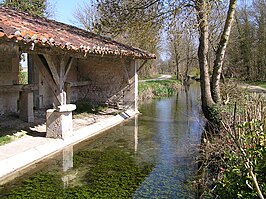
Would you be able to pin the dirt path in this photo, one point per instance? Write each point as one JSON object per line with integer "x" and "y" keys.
{"x": 252, "y": 88}
{"x": 162, "y": 77}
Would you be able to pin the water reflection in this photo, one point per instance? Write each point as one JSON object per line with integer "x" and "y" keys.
{"x": 68, "y": 174}
{"x": 67, "y": 158}
{"x": 177, "y": 132}
{"x": 136, "y": 129}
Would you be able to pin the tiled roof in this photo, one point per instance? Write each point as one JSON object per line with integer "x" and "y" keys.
{"x": 26, "y": 29}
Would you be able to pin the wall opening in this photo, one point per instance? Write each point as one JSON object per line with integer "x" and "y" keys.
{"x": 23, "y": 69}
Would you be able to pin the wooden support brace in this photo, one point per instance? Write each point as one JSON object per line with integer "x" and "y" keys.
{"x": 48, "y": 78}
{"x": 52, "y": 68}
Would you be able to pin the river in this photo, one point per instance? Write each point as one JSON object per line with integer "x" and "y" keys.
{"x": 150, "y": 156}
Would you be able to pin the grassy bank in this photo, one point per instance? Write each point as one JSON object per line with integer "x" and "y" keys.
{"x": 233, "y": 162}
{"x": 157, "y": 88}
{"x": 259, "y": 83}
{"x": 5, "y": 139}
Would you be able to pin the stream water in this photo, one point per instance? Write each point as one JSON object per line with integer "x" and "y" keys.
{"x": 150, "y": 156}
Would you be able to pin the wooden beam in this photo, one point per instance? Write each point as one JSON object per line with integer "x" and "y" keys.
{"x": 69, "y": 64}
{"x": 46, "y": 73}
{"x": 145, "y": 61}
{"x": 80, "y": 83}
{"x": 18, "y": 87}
{"x": 52, "y": 68}
{"x": 61, "y": 73}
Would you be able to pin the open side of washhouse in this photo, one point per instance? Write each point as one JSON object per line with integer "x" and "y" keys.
{"x": 65, "y": 64}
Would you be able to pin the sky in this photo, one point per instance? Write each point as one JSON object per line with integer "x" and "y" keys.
{"x": 63, "y": 10}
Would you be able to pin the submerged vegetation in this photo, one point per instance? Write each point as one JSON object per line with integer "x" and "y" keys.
{"x": 106, "y": 174}
{"x": 157, "y": 88}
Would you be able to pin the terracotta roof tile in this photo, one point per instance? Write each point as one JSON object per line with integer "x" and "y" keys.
{"x": 21, "y": 27}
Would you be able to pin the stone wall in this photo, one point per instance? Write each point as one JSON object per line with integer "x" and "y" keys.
{"x": 111, "y": 81}
{"x": 9, "y": 69}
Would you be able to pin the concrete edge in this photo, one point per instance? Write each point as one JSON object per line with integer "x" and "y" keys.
{"x": 17, "y": 163}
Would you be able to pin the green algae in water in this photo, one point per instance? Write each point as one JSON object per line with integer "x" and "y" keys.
{"x": 109, "y": 174}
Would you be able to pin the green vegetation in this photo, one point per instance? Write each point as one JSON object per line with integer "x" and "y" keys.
{"x": 233, "y": 163}
{"x": 106, "y": 174}
{"x": 23, "y": 77}
{"x": 259, "y": 83}
{"x": 5, "y": 139}
{"x": 36, "y": 7}
{"x": 156, "y": 89}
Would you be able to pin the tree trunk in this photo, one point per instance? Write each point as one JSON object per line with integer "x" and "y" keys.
{"x": 202, "y": 17}
{"x": 218, "y": 63}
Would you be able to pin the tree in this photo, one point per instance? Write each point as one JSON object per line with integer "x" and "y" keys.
{"x": 87, "y": 16}
{"x": 125, "y": 21}
{"x": 36, "y": 7}
{"x": 220, "y": 54}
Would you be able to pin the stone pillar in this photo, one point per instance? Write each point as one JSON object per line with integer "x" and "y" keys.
{"x": 26, "y": 106}
{"x": 59, "y": 122}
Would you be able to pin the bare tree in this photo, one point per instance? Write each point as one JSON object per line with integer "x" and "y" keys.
{"x": 218, "y": 63}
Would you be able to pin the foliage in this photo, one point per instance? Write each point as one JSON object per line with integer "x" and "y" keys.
{"x": 233, "y": 163}
{"x": 249, "y": 147}
{"x": 125, "y": 21}
{"x": 246, "y": 55}
{"x": 36, "y": 7}
{"x": 22, "y": 76}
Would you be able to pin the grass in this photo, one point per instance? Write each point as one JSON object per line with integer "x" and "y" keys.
{"x": 5, "y": 139}
{"x": 259, "y": 83}
{"x": 157, "y": 89}
{"x": 150, "y": 77}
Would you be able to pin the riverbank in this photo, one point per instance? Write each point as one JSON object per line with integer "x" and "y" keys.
{"x": 23, "y": 152}
{"x": 156, "y": 88}
{"x": 233, "y": 162}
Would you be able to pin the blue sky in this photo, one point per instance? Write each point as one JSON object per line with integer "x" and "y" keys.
{"x": 63, "y": 10}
